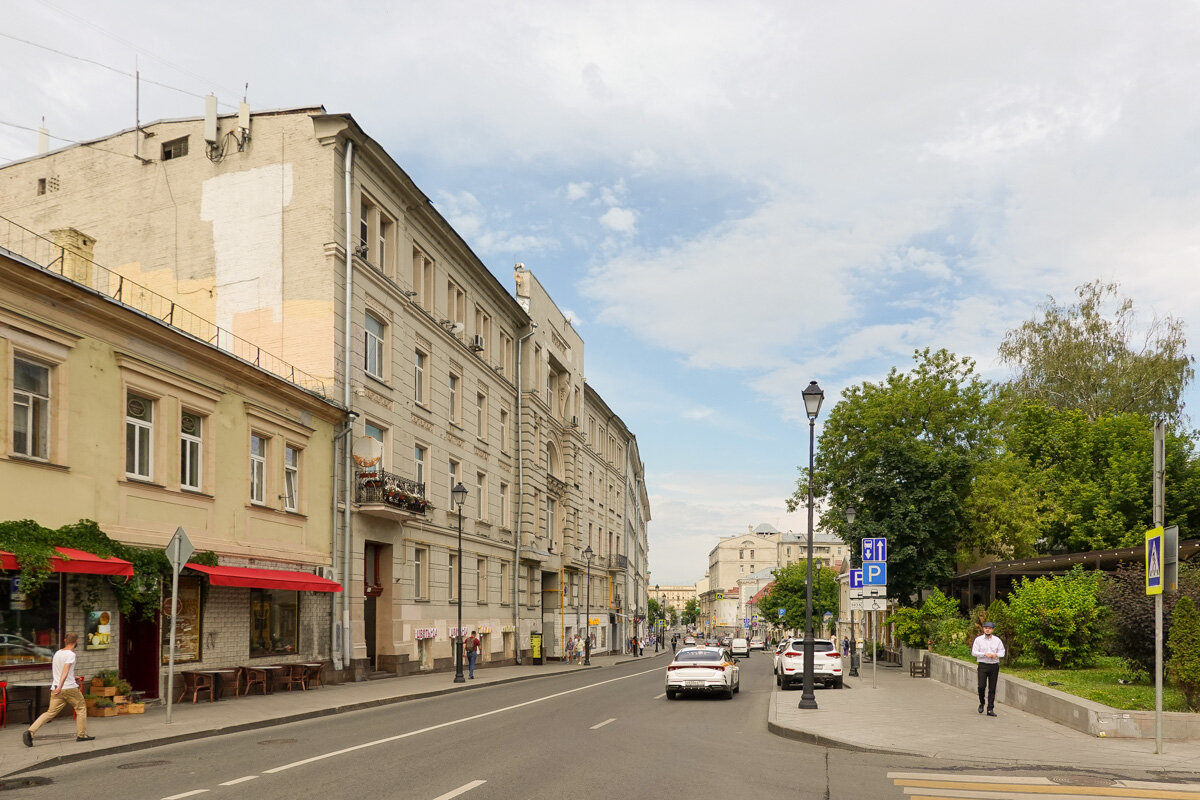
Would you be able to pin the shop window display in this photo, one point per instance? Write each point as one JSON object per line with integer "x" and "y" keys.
{"x": 274, "y": 622}
{"x": 29, "y": 624}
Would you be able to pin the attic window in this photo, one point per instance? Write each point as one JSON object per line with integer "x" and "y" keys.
{"x": 45, "y": 185}
{"x": 176, "y": 148}
{"x": 41, "y": 186}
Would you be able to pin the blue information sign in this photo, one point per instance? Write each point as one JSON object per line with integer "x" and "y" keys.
{"x": 782, "y": 611}
{"x": 875, "y": 573}
{"x": 856, "y": 579}
{"x": 874, "y": 549}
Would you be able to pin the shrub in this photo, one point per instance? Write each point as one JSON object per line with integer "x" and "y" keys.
{"x": 1184, "y": 643}
{"x": 1059, "y": 619}
{"x": 1131, "y": 611}
{"x": 951, "y": 635}
{"x": 107, "y": 677}
{"x": 915, "y": 627}
{"x": 999, "y": 614}
{"x": 104, "y": 702}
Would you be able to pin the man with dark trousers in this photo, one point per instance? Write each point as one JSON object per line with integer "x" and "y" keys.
{"x": 988, "y": 650}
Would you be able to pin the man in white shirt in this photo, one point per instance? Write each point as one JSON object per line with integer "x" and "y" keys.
{"x": 988, "y": 650}
{"x": 64, "y": 691}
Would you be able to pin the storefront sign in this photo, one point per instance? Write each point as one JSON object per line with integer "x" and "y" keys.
{"x": 186, "y": 617}
{"x": 486, "y": 629}
{"x": 425, "y": 633}
{"x": 508, "y": 629}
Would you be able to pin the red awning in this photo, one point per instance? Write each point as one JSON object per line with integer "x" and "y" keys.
{"x": 76, "y": 561}
{"x": 246, "y": 577}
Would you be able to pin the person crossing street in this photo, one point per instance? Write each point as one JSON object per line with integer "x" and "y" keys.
{"x": 988, "y": 650}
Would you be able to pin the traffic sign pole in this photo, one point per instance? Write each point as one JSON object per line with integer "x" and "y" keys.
{"x": 179, "y": 550}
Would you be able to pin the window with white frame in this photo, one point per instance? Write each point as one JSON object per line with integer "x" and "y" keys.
{"x": 531, "y": 587}
{"x": 419, "y": 453}
{"x": 139, "y": 436}
{"x": 374, "y": 352}
{"x": 291, "y": 477}
{"x": 481, "y": 415}
{"x": 481, "y": 498}
{"x": 383, "y": 238}
{"x": 551, "y": 509}
{"x": 453, "y": 467}
{"x": 504, "y": 429}
{"x": 31, "y": 409}
{"x": 481, "y": 580}
{"x": 506, "y": 354}
{"x": 421, "y": 572}
{"x": 191, "y": 449}
{"x": 504, "y": 581}
{"x": 504, "y": 504}
{"x": 483, "y": 332}
{"x": 423, "y": 279}
{"x": 258, "y": 469}
{"x": 456, "y": 303}
{"x": 377, "y": 433}
{"x": 419, "y": 373}
{"x": 453, "y": 390}
{"x": 453, "y": 582}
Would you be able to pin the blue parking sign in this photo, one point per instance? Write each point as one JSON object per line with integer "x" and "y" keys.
{"x": 875, "y": 573}
{"x": 856, "y": 579}
{"x": 874, "y": 549}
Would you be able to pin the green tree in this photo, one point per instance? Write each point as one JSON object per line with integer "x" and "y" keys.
{"x": 789, "y": 593}
{"x": 691, "y": 612}
{"x": 1184, "y": 645}
{"x": 1131, "y": 611}
{"x": 915, "y": 626}
{"x": 905, "y": 452}
{"x": 1059, "y": 619}
{"x": 1092, "y": 357}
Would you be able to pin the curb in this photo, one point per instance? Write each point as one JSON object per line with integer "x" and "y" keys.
{"x": 773, "y": 726}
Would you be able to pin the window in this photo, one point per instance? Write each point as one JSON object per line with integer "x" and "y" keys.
{"x": 364, "y": 227}
{"x": 481, "y": 580}
{"x": 481, "y": 498}
{"x": 453, "y": 465}
{"x": 423, "y": 279}
{"x": 190, "y": 451}
{"x": 530, "y": 587}
{"x": 139, "y": 436}
{"x": 551, "y": 508}
{"x": 456, "y": 303}
{"x": 483, "y": 331}
{"x": 419, "y": 377}
{"x": 31, "y": 409}
{"x": 274, "y": 622}
{"x": 421, "y": 572}
{"x": 504, "y": 429}
{"x": 506, "y": 354}
{"x": 504, "y": 504}
{"x": 452, "y": 414}
{"x": 34, "y": 621}
{"x": 291, "y": 477}
{"x": 481, "y": 415}
{"x": 383, "y": 237}
{"x": 453, "y": 576}
{"x": 176, "y": 148}
{"x": 258, "y": 468}
{"x": 373, "y": 349}
{"x": 419, "y": 464}
{"x": 504, "y": 582}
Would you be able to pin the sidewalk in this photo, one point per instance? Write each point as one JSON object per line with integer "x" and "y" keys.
{"x": 55, "y": 743}
{"x": 922, "y": 717}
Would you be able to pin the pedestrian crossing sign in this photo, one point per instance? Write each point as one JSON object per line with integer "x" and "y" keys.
{"x": 1154, "y": 561}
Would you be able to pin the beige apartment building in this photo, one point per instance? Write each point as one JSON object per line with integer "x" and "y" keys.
{"x": 677, "y": 597}
{"x": 117, "y": 412}
{"x": 297, "y": 232}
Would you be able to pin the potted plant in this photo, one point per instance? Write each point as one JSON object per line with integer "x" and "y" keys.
{"x": 123, "y": 687}
{"x": 105, "y": 683}
{"x": 105, "y": 707}
{"x": 90, "y": 700}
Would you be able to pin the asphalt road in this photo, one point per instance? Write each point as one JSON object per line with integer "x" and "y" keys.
{"x": 593, "y": 734}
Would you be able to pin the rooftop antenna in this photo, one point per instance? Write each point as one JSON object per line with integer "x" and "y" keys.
{"x": 43, "y": 138}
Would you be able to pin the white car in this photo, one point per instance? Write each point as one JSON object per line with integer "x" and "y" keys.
{"x": 789, "y": 663}
{"x": 709, "y": 670}
{"x": 757, "y": 643}
{"x": 740, "y": 647}
{"x": 689, "y": 640}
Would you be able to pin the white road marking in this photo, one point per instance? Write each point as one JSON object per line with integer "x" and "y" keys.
{"x": 466, "y": 787}
{"x": 238, "y": 780}
{"x": 398, "y": 737}
{"x": 660, "y": 696}
{"x": 602, "y": 724}
{"x": 185, "y": 794}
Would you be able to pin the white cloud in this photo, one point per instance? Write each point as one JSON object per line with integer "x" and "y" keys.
{"x": 578, "y": 191}
{"x": 698, "y": 413}
{"x": 621, "y": 220}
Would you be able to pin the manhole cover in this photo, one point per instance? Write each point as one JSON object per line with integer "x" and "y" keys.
{"x": 142, "y": 764}
{"x": 1081, "y": 780}
{"x": 24, "y": 783}
{"x": 277, "y": 741}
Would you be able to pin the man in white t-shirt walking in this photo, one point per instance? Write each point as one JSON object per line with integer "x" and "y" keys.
{"x": 988, "y": 650}
{"x": 64, "y": 691}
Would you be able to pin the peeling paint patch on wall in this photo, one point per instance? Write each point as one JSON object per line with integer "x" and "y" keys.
{"x": 246, "y": 212}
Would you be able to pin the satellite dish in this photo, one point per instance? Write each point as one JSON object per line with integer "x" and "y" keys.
{"x": 367, "y": 451}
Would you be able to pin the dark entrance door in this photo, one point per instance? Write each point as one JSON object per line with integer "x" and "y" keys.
{"x": 369, "y": 627}
{"x": 140, "y": 653}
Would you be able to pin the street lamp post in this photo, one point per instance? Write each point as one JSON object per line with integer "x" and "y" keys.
{"x": 587, "y": 640}
{"x": 812, "y": 406}
{"x": 851, "y": 513}
{"x": 657, "y": 636}
{"x": 459, "y": 494}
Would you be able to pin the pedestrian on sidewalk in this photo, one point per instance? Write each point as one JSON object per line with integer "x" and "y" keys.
{"x": 570, "y": 649}
{"x": 471, "y": 648}
{"x": 579, "y": 650}
{"x": 64, "y": 691}
{"x": 988, "y": 650}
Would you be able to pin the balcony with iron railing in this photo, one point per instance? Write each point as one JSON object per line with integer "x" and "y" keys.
{"x": 81, "y": 270}
{"x": 382, "y": 494}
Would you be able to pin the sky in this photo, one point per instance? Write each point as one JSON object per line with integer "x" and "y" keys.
{"x": 730, "y": 199}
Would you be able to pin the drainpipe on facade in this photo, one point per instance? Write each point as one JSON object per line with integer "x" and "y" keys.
{"x": 347, "y": 480}
{"x": 520, "y": 500}
{"x": 339, "y": 440}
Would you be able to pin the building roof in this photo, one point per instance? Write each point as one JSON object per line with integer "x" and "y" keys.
{"x": 766, "y": 528}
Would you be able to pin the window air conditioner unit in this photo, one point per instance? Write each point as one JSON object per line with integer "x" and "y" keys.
{"x": 478, "y": 344}
{"x": 324, "y": 572}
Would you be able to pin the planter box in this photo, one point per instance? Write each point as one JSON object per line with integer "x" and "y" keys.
{"x": 104, "y": 691}
{"x": 135, "y": 708}
{"x": 90, "y": 701}
{"x": 111, "y": 711}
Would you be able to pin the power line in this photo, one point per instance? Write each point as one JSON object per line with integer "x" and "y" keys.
{"x": 107, "y": 67}
{"x": 71, "y": 141}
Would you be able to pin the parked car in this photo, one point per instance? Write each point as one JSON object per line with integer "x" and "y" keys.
{"x": 757, "y": 643}
{"x": 710, "y": 670}
{"x": 689, "y": 640}
{"x": 827, "y": 663}
{"x": 740, "y": 647}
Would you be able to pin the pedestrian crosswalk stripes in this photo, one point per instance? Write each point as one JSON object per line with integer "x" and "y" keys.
{"x": 955, "y": 786}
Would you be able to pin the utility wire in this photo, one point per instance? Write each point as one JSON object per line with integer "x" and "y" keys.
{"x": 71, "y": 141}
{"x": 107, "y": 67}
{"x": 129, "y": 44}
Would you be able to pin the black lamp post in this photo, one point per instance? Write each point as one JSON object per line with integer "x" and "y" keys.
{"x": 851, "y": 513}
{"x": 459, "y": 495}
{"x": 658, "y": 590}
{"x": 587, "y": 640}
{"x": 812, "y": 406}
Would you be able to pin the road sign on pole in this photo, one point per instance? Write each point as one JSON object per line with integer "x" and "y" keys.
{"x": 874, "y": 549}
{"x": 856, "y": 579}
{"x": 179, "y": 550}
{"x": 1154, "y": 561}
{"x": 874, "y": 573}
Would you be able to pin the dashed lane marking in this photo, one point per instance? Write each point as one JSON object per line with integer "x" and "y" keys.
{"x": 185, "y": 794}
{"x": 466, "y": 787}
{"x": 602, "y": 724}
{"x": 238, "y": 780}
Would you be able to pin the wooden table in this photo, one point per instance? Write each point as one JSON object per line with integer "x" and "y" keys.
{"x": 197, "y": 681}
{"x": 262, "y": 674}
{"x": 314, "y": 672}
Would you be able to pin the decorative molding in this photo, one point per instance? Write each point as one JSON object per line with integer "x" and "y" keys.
{"x": 424, "y": 424}
{"x": 375, "y": 397}
{"x": 453, "y": 439}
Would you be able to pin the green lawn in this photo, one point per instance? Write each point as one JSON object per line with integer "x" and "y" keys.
{"x": 1099, "y": 684}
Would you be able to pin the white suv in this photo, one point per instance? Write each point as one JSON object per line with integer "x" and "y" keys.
{"x": 827, "y": 663}
{"x": 740, "y": 647}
